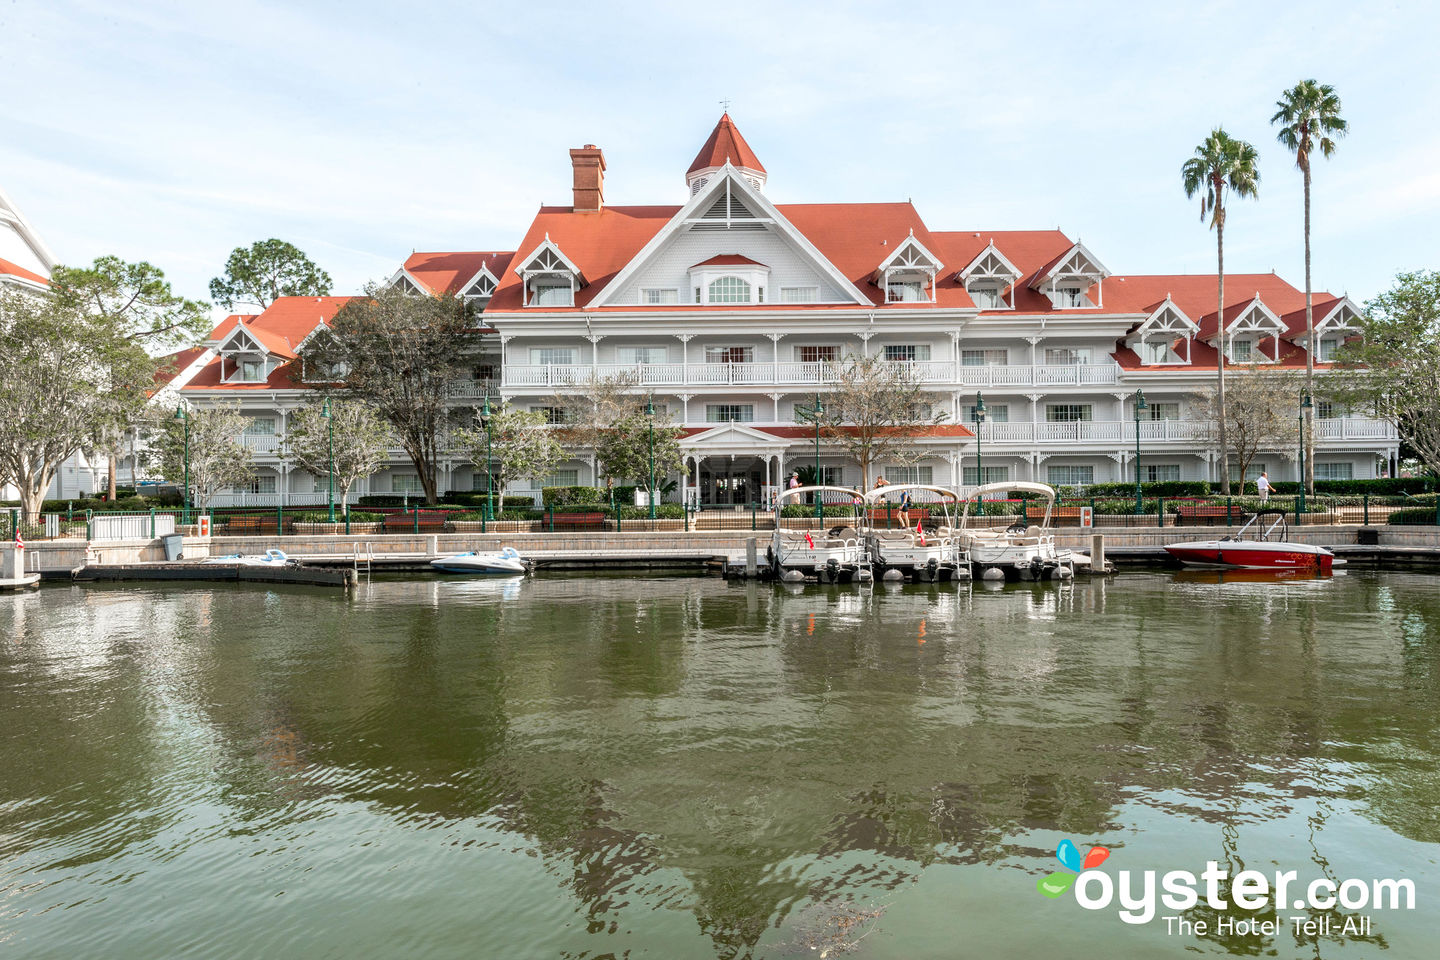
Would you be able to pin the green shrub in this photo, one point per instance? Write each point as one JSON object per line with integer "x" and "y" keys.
{"x": 808, "y": 510}
{"x": 665, "y": 511}
{"x": 1413, "y": 515}
{"x": 1153, "y": 488}
{"x": 574, "y": 496}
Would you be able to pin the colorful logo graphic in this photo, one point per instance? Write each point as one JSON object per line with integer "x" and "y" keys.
{"x": 1069, "y": 856}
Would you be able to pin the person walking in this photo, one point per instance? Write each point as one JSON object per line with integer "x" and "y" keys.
{"x": 794, "y": 480}
{"x": 1262, "y": 483}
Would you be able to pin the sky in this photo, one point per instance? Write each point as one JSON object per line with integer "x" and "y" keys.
{"x": 175, "y": 131}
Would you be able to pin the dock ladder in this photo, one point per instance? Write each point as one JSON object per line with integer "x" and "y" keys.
{"x": 369, "y": 558}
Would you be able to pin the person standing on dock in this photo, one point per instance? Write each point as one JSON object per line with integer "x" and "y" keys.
{"x": 1262, "y": 484}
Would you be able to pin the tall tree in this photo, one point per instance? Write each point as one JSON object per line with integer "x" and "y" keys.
{"x": 1221, "y": 165}
{"x": 400, "y": 353}
{"x": 66, "y": 375}
{"x": 213, "y": 456}
{"x": 1309, "y": 118}
{"x": 265, "y": 271}
{"x": 875, "y": 413}
{"x": 1394, "y": 368}
{"x": 1258, "y": 416}
{"x": 624, "y": 450}
{"x": 520, "y": 443}
{"x": 137, "y": 300}
{"x": 361, "y": 441}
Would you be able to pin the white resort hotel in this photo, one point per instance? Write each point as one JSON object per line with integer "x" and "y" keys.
{"x": 732, "y": 310}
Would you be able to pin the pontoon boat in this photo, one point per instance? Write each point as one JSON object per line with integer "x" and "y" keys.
{"x": 1018, "y": 551}
{"x": 916, "y": 553}
{"x": 831, "y": 551}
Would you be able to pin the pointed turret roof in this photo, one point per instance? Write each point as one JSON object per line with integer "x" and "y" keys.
{"x": 726, "y": 145}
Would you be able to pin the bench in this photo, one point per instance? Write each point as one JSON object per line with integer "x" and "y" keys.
{"x": 578, "y": 521}
{"x": 1057, "y": 514}
{"x": 242, "y": 526}
{"x": 1209, "y": 512}
{"x": 426, "y": 521}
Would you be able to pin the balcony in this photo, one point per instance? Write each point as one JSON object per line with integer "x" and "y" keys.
{"x": 1077, "y": 374}
{"x": 473, "y": 389}
{"x": 760, "y": 373}
{"x": 1354, "y": 428}
{"x": 1160, "y": 431}
{"x": 260, "y": 442}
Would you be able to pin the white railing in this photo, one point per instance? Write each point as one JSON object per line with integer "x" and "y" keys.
{"x": 762, "y": 373}
{"x": 260, "y": 442}
{"x": 1354, "y": 428}
{"x": 474, "y": 388}
{"x": 130, "y": 526}
{"x": 1080, "y": 374}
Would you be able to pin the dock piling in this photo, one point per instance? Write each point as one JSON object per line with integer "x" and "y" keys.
{"x": 1097, "y": 552}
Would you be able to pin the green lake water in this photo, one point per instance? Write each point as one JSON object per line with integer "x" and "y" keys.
{"x": 588, "y": 767}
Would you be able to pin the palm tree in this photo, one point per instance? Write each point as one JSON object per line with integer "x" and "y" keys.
{"x": 1221, "y": 164}
{"x": 1309, "y": 117}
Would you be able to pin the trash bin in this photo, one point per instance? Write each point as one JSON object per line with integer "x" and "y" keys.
{"x": 174, "y": 546}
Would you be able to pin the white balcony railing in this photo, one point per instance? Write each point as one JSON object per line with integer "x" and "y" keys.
{"x": 1079, "y": 374}
{"x": 758, "y": 373}
{"x": 1354, "y": 428}
{"x": 260, "y": 442}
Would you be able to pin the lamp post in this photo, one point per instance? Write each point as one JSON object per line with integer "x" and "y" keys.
{"x": 485, "y": 422}
{"x": 1140, "y": 407}
{"x": 330, "y": 424}
{"x": 814, "y": 413}
{"x": 1305, "y": 405}
{"x": 979, "y": 417}
{"x": 650, "y": 415}
{"x": 182, "y": 415}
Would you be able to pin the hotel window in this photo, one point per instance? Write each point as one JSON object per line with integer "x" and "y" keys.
{"x": 561, "y": 478}
{"x": 1155, "y": 351}
{"x": 260, "y": 427}
{"x": 546, "y": 356}
{"x": 252, "y": 371}
{"x": 1164, "y": 411}
{"x": 907, "y": 351}
{"x": 818, "y": 354}
{"x": 1324, "y": 410}
{"x": 660, "y": 296}
{"x": 1070, "y": 296}
{"x": 642, "y": 354}
{"x": 1068, "y": 412}
{"x": 994, "y": 413}
{"x": 984, "y": 358}
{"x": 1067, "y": 356}
{"x": 1328, "y": 348}
{"x": 406, "y": 483}
{"x": 799, "y": 294}
{"x": 905, "y": 291}
{"x": 1241, "y": 350}
{"x": 729, "y": 412}
{"x": 915, "y": 474}
{"x": 729, "y": 354}
{"x": 484, "y": 371}
{"x": 1159, "y": 472}
{"x": 1070, "y": 476}
{"x": 477, "y": 481}
{"x": 260, "y": 484}
{"x": 729, "y": 290}
{"x": 552, "y": 295}
{"x": 552, "y": 414}
{"x": 1335, "y": 471}
{"x": 971, "y": 476}
{"x": 987, "y": 296}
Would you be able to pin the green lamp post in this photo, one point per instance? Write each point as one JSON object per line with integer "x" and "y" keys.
{"x": 486, "y": 422}
{"x": 650, "y": 415}
{"x": 183, "y": 416}
{"x": 979, "y": 419}
{"x": 1140, "y": 407}
{"x": 1305, "y": 404}
{"x": 330, "y": 424}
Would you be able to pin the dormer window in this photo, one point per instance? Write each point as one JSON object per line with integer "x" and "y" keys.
{"x": 252, "y": 371}
{"x": 549, "y": 278}
{"x": 1329, "y": 347}
{"x": 1070, "y": 296}
{"x": 986, "y": 296}
{"x": 1072, "y": 280}
{"x": 1242, "y": 351}
{"x": 987, "y": 277}
{"x": 1246, "y": 329}
{"x": 905, "y": 291}
{"x": 1158, "y": 338}
{"x": 729, "y": 278}
{"x": 1152, "y": 351}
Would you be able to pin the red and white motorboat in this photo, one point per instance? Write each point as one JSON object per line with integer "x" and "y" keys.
{"x": 1262, "y": 554}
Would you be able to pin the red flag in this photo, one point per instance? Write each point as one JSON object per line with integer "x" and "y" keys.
{"x": 920, "y": 532}
{"x": 19, "y": 543}
{"x": 809, "y": 541}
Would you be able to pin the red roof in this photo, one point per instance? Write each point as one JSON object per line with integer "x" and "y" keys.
{"x": 280, "y": 329}
{"x": 726, "y": 145}
{"x": 728, "y": 260}
{"x": 15, "y": 270}
{"x": 1031, "y": 251}
{"x": 447, "y": 273}
{"x": 173, "y": 365}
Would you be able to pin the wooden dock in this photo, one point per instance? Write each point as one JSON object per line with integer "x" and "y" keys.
{"x": 219, "y": 572}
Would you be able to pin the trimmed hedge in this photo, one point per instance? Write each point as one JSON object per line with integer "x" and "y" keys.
{"x": 574, "y": 496}
{"x": 663, "y": 511}
{"x": 1413, "y": 515}
{"x": 323, "y": 516}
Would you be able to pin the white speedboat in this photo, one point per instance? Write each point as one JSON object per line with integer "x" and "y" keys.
{"x": 915, "y": 553}
{"x": 801, "y": 548}
{"x": 270, "y": 558}
{"x": 507, "y": 561}
{"x": 1019, "y": 551}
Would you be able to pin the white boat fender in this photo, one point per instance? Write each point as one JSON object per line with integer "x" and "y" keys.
{"x": 891, "y": 575}
{"x": 793, "y": 576}
{"x": 993, "y": 573}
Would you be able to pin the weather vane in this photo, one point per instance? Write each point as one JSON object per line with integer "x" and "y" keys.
{"x": 725, "y": 105}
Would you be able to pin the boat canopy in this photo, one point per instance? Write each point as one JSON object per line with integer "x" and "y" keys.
{"x": 848, "y": 494}
{"x": 886, "y": 489}
{"x": 1024, "y": 486}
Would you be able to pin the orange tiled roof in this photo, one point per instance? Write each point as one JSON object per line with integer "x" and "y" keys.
{"x": 726, "y": 145}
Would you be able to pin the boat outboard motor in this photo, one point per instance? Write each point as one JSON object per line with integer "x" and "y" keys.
{"x": 932, "y": 566}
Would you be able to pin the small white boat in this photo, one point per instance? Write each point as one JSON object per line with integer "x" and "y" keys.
{"x": 914, "y": 553}
{"x": 270, "y": 558}
{"x": 808, "y": 549}
{"x": 508, "y": 560}
{"x": 1019, "y": 552}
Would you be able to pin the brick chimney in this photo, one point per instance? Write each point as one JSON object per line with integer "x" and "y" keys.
{"x": 589, "y": 165}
